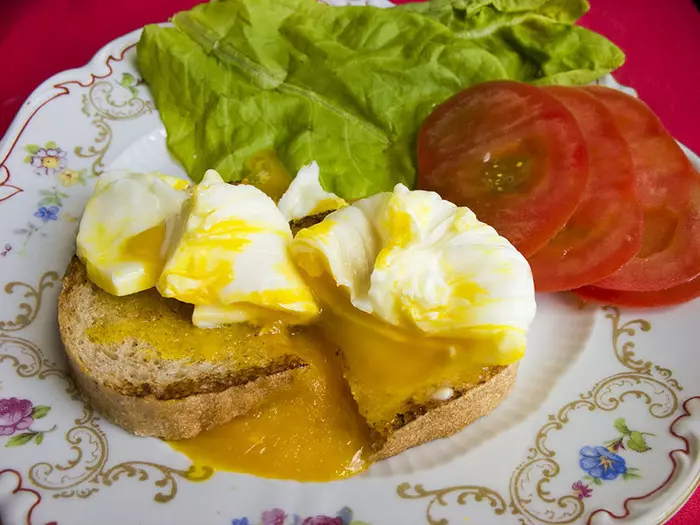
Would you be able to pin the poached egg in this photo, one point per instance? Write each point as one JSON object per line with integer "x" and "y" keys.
{"x": 125, "y": 229}
{"x": 418, "y": 262}
{"x": 408, "y": 258}
{"x": 230, "y": 259}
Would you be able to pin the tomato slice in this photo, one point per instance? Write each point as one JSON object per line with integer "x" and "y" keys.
{"x": 512, "y": 153}
{"x": 605, "y": 231}
{"x": 676, "y": 295}
{"x": 668, "y": 190}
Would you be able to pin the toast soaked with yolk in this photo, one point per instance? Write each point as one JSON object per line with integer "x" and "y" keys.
{"x": 420, "y": 423}
{"x": 141, "y": 362}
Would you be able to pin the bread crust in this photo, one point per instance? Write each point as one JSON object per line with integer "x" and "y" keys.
{"x": 175, "y": 419}
{"x": 450, "y": 417}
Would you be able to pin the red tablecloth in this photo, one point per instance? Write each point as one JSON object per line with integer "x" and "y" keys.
{"x": 660, "y": 37}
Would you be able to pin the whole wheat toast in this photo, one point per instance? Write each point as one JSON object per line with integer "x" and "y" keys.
{"x": 126, "y": 378}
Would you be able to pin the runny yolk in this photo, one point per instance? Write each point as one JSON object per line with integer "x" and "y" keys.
{"x": 308, "y": 432}
{"x": 390, "y": 368}
{"x": 265, "y": 171}
{"x": 145, "y": 246}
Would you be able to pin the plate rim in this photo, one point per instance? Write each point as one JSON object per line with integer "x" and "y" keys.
{"x": 55, "y": 87}
{"x": 100, "y": 67}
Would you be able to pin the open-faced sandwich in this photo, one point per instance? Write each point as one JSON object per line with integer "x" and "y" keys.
{"x": 393, "y": 321}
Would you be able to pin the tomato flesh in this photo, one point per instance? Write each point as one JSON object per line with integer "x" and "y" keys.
{"x": 512, "y": 153}
{"x": 668, "y": 190}
{"x": 605, "y": 231}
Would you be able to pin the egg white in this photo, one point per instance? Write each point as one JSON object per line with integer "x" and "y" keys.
{"x": 231, "y": 259}
{"x": 125, "y": 229}
{"x": 305, "y": 196}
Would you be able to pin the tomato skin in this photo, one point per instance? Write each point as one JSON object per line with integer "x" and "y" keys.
{"x": 672, "y": 296}
{"x": 605, "y": 231}
{"x": 668, "y": 190}
{"x": 510, "y": 152}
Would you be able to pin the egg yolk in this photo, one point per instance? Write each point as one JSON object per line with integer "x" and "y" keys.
{"x": 143, "y": 249}
{"x": 265, "y": 171}
{"x": 309, "y": 432}
{"x": 146, "y": 247}
{"x": 313, "y": 431}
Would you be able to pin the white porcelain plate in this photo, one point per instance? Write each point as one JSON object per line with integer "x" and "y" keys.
{"x": 600, "y": 427}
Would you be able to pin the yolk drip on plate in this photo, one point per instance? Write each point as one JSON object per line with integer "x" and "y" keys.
{"x": 310, "y": 432}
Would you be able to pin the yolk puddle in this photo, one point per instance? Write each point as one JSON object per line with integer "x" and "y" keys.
{"x": 309, "y": 432}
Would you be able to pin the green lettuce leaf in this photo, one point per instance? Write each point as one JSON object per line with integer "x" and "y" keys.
{"x": 534, "y": 39}
{"x": 345, "y": 86}
{"x": 463, "y": 16}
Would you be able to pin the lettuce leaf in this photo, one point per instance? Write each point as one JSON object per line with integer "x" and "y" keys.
{"x": 463, "y": 16}
{"x": 534, "y": 39}
{"x": 345, "y": 86}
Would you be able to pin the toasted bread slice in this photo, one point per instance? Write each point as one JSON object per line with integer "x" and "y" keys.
{"x": 144, "y": 366}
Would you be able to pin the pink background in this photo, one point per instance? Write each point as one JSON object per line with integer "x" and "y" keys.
{"x": 661, "y": 38}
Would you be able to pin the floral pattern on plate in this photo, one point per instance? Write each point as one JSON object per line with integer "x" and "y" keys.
{"x": 52, "y": 161}
{"x": 17, "y": 415}
{"x": 603, "y": 463}
{"x": 280, "y": 517}
{"x": 46, "y": 160}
